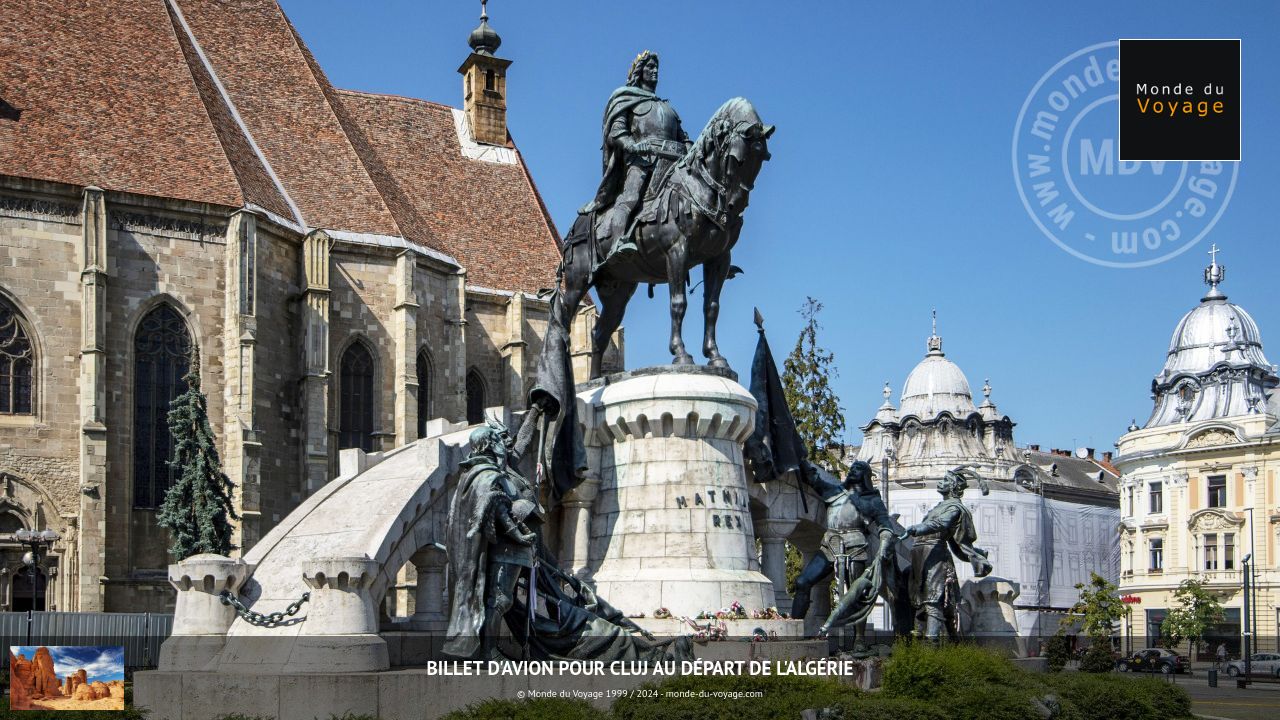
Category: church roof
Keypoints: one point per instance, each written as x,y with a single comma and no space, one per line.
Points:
220,101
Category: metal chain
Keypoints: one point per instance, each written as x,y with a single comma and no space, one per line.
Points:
268,620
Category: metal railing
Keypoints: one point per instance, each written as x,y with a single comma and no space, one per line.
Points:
140,633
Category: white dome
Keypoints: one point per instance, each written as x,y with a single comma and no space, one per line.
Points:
1214,367
1214,332
936,385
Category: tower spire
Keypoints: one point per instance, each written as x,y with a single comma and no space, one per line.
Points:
1214,275
935,342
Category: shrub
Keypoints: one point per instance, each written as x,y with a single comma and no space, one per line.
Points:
1057,652
781,698
1114,697
536,709
1098,658
964,681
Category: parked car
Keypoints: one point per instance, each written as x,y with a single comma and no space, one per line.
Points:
1263,664
1158,660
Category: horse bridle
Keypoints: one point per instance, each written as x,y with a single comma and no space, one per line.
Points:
717,215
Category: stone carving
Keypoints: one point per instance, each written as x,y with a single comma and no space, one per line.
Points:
167,226
38,209
1211,519
1209,438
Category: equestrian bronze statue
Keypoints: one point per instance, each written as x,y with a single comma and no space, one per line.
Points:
665,206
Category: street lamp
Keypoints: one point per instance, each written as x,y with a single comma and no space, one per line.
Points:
1248,651
37,541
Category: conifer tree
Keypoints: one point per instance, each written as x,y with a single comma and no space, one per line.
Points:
806,377
197,508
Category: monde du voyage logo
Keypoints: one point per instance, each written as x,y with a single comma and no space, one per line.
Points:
1123,184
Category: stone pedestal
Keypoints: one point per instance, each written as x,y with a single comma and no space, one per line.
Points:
671,526
200,619
341,630
993,621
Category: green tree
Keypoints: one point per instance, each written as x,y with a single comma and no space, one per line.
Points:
806,377
1098,611
197,508
1195,610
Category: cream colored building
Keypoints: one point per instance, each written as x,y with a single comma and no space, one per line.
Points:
1199,491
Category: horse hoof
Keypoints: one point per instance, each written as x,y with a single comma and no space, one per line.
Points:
718,362
685,359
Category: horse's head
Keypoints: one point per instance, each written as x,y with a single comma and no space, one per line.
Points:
732,149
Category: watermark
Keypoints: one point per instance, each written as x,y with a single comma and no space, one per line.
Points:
1080,194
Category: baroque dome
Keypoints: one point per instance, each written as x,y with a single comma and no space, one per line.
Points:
1215,366
935,386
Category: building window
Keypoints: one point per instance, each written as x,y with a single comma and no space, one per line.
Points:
1155,495
355,399
1132,509
475,397
1218,491
1228,551
1157,555
489,82
161,353
17,364
1211,551
424,392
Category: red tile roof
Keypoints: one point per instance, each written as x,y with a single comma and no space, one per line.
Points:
220,101
487,215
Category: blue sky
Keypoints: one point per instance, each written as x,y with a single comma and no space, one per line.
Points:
101,663
890,191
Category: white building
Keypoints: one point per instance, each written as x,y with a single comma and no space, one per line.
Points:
1051,516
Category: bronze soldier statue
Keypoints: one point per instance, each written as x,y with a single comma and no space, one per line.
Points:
491,535
642,138
856,519
947,529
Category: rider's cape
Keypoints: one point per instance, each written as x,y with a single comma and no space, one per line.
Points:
622,101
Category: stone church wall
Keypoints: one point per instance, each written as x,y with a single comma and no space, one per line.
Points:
147,268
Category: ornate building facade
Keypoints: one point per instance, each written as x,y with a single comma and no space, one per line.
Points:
1051,515
1199,491
179,178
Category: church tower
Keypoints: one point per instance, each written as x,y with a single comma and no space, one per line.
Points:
484,84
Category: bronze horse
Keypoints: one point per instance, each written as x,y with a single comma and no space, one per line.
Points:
692,217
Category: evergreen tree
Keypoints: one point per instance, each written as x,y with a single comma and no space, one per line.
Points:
806,377
197,508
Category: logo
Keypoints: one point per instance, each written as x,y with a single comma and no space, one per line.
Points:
1067,167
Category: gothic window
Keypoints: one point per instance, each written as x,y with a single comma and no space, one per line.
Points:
475,397
161,352
424,392
355,398
17,364
10,523
1218,491
1155,496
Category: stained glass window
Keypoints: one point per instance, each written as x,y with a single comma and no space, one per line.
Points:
161,353
475,397
355,402
17,364
424,392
